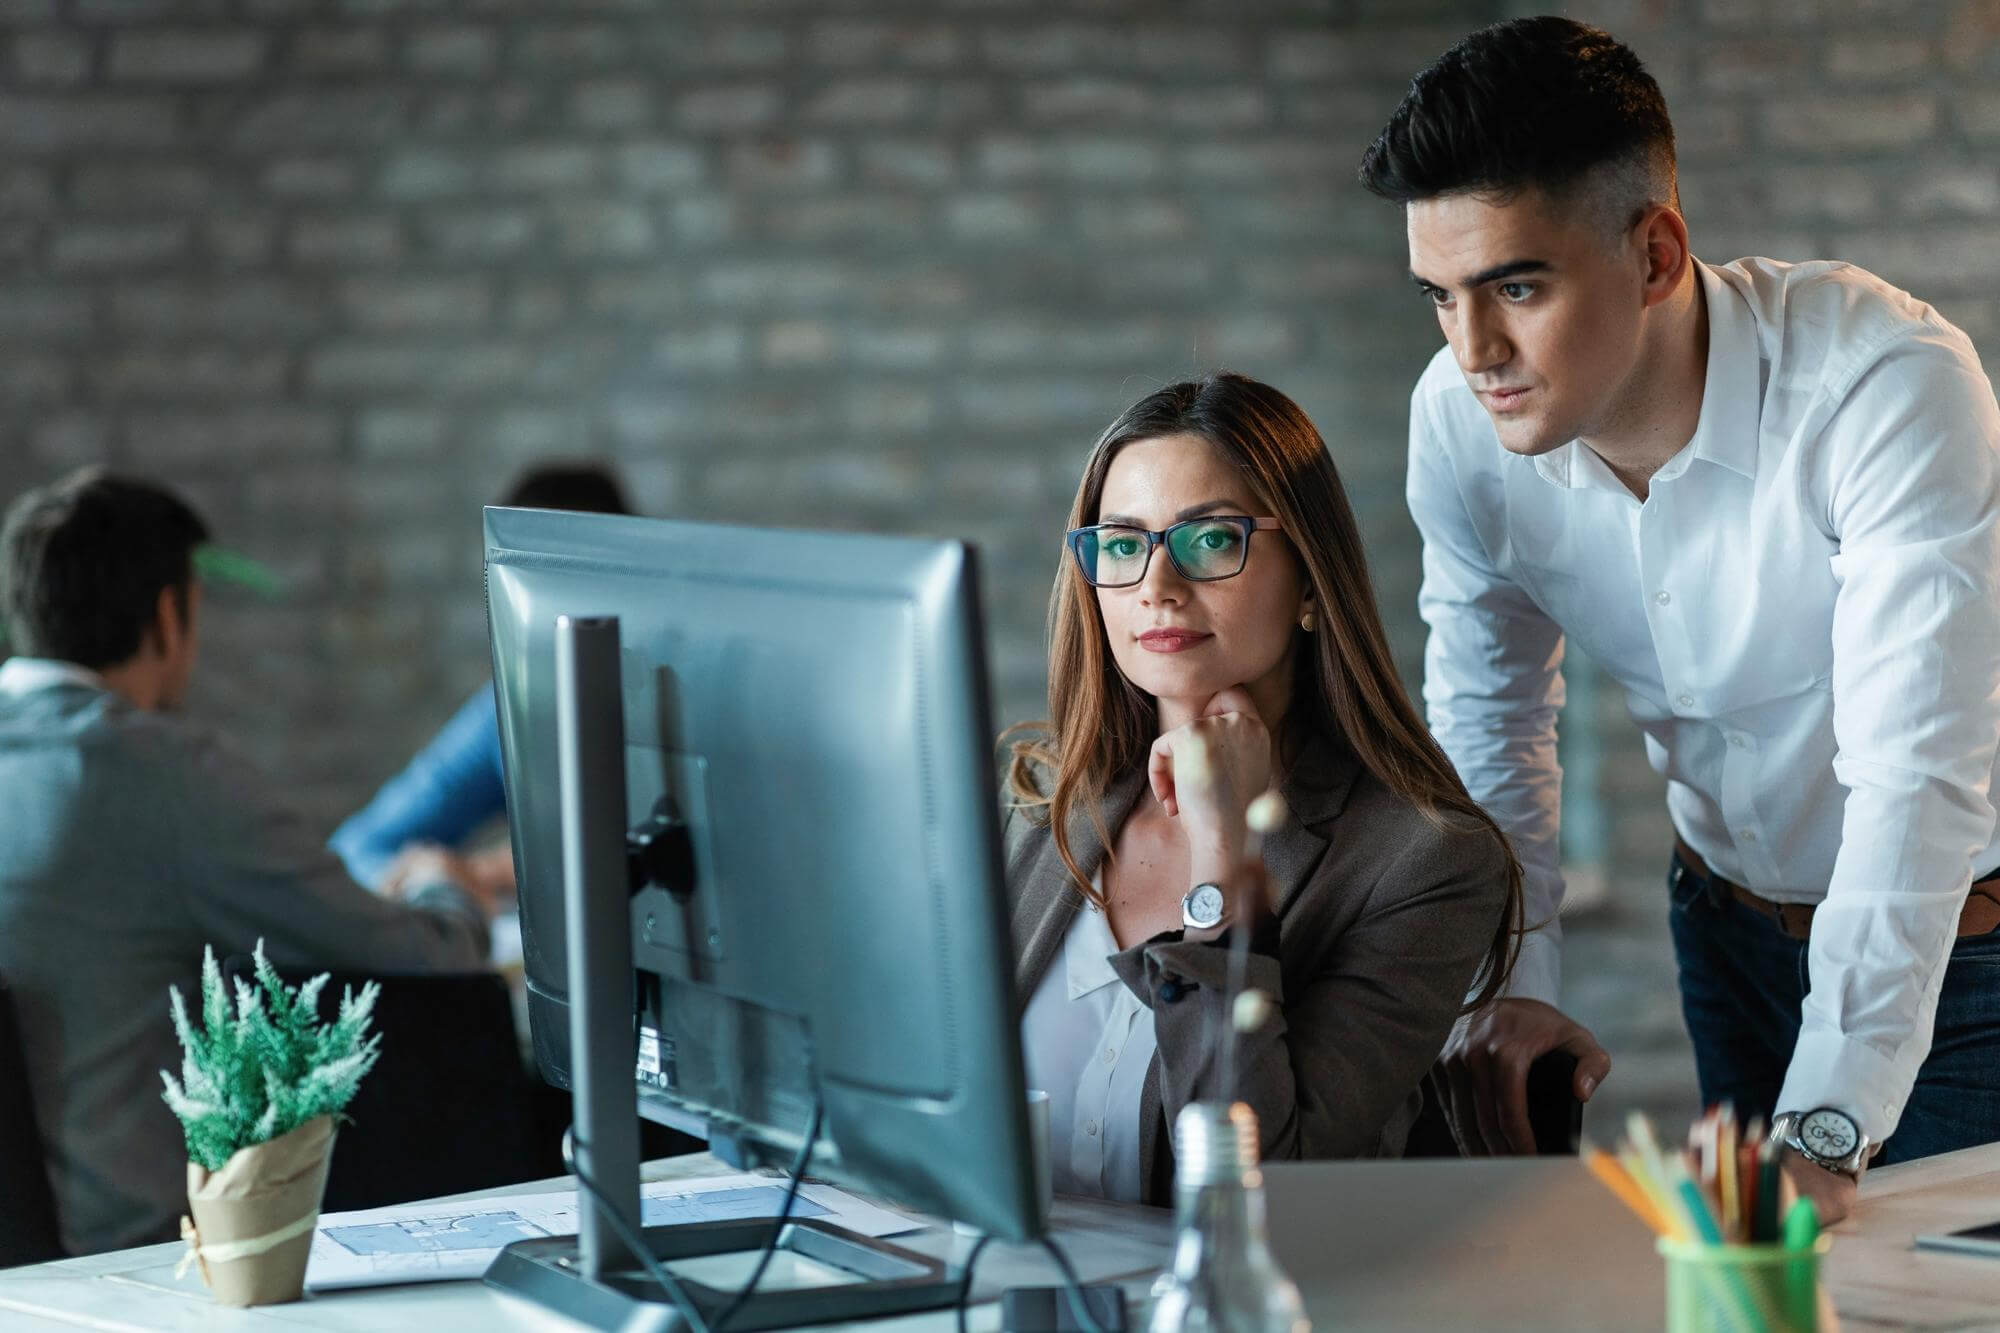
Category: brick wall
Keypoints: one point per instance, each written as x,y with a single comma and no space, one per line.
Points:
338,267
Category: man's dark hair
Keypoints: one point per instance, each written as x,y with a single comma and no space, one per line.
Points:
85,559
1538,103
591,488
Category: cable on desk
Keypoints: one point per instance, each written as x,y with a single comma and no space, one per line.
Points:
637,1244
737,1301
1072,1289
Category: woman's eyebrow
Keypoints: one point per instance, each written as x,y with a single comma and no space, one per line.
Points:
1192,511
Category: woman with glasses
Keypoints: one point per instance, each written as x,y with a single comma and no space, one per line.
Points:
1213,635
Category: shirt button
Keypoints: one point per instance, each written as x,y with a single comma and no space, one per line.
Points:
1663,597
1747,835
1685,700
1740,741
1090,1128
1110,1055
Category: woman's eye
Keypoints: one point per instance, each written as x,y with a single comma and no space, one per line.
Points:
1217,539
1121,548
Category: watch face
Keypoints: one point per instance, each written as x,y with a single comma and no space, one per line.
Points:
1204,904
1828,1134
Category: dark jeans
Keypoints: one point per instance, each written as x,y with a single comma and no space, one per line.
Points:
1743,981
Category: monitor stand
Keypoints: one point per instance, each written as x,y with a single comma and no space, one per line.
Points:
894,1280
593,1277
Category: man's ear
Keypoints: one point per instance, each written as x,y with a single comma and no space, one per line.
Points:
1663,239
168,628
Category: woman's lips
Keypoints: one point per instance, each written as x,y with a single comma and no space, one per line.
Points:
1171,640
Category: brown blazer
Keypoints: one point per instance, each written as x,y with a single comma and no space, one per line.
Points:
1383,922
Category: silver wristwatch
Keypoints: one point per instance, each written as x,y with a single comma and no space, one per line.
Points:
1201,907
1825,1137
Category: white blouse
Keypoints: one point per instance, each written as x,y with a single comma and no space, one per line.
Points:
1088,1042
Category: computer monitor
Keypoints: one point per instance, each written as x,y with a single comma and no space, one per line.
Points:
811,855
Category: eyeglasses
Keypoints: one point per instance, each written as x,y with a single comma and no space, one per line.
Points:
1112,555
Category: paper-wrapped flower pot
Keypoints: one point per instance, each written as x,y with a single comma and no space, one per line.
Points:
253,1219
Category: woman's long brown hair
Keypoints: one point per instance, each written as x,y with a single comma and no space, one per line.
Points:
1345,688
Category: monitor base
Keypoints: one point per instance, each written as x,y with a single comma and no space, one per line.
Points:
897,1281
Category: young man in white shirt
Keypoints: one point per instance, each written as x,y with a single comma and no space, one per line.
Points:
1763,496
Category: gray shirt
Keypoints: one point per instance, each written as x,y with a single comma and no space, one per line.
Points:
128,841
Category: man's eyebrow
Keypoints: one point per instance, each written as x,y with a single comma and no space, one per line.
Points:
1512,268
1192,511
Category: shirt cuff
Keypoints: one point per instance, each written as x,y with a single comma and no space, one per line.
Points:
1537,972
1829,1069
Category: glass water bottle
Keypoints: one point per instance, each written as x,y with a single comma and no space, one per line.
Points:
1223,1278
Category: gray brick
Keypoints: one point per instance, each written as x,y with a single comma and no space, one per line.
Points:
707,46
1197,51
27,379
604,230
996,217
1946,190
43,312
569,47
1100,160
363,239
311,178
456,50
71,439
54,125
533,307
28,11
142,185
103,246
874,43
870,102
1139,220
352,50
704,219
1217,109
545,167
1030,49
704,349
1830,124
247,308
385,366
186,56
1878,57
659,167
727,109
197,371
181,438
923,163
404,304
897,347
401,433
240,241
335,117
1266,159
49,59
414,174
612,104
1737,66
1090,100
26,189
1934,258
479,234
783,163
1979,114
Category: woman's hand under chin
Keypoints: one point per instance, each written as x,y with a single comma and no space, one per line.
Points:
1207,772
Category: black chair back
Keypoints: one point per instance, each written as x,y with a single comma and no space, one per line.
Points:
28,1233
449,1106
1554,1113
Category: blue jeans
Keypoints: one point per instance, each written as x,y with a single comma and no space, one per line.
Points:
1743,981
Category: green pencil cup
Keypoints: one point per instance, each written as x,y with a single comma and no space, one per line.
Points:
1745,1288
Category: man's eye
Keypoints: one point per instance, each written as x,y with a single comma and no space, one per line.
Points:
1437,296
1517,291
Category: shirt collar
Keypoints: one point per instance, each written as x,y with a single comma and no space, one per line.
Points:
1088,949
1731,400
20,675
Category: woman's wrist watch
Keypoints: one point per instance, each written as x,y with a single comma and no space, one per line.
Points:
1202,907
1825,1137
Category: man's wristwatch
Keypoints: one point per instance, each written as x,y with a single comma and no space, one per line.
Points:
1826,1138
1201,907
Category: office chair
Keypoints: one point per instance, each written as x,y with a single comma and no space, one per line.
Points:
1554,1113
28,1233
449,1106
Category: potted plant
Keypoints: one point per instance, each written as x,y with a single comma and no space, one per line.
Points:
259,1090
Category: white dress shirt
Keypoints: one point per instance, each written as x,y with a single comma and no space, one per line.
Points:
1088,1042
19,675
1804,613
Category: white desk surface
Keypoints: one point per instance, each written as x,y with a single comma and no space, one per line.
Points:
1877,1280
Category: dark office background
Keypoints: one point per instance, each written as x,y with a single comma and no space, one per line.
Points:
338,268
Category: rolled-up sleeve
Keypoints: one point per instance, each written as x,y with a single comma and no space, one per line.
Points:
1907,479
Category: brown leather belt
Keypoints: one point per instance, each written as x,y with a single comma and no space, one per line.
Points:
1980,915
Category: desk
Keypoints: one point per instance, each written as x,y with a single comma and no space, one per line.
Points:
1877,1281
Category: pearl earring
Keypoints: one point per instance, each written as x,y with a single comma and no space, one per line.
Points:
1307,622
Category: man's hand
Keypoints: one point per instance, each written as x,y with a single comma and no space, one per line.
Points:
1832,1192
421,863
1486,1064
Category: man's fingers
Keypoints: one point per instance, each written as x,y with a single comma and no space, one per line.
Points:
1593,1064
1464,1113
1485,1100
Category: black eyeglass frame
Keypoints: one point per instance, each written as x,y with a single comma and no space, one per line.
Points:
1243,523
